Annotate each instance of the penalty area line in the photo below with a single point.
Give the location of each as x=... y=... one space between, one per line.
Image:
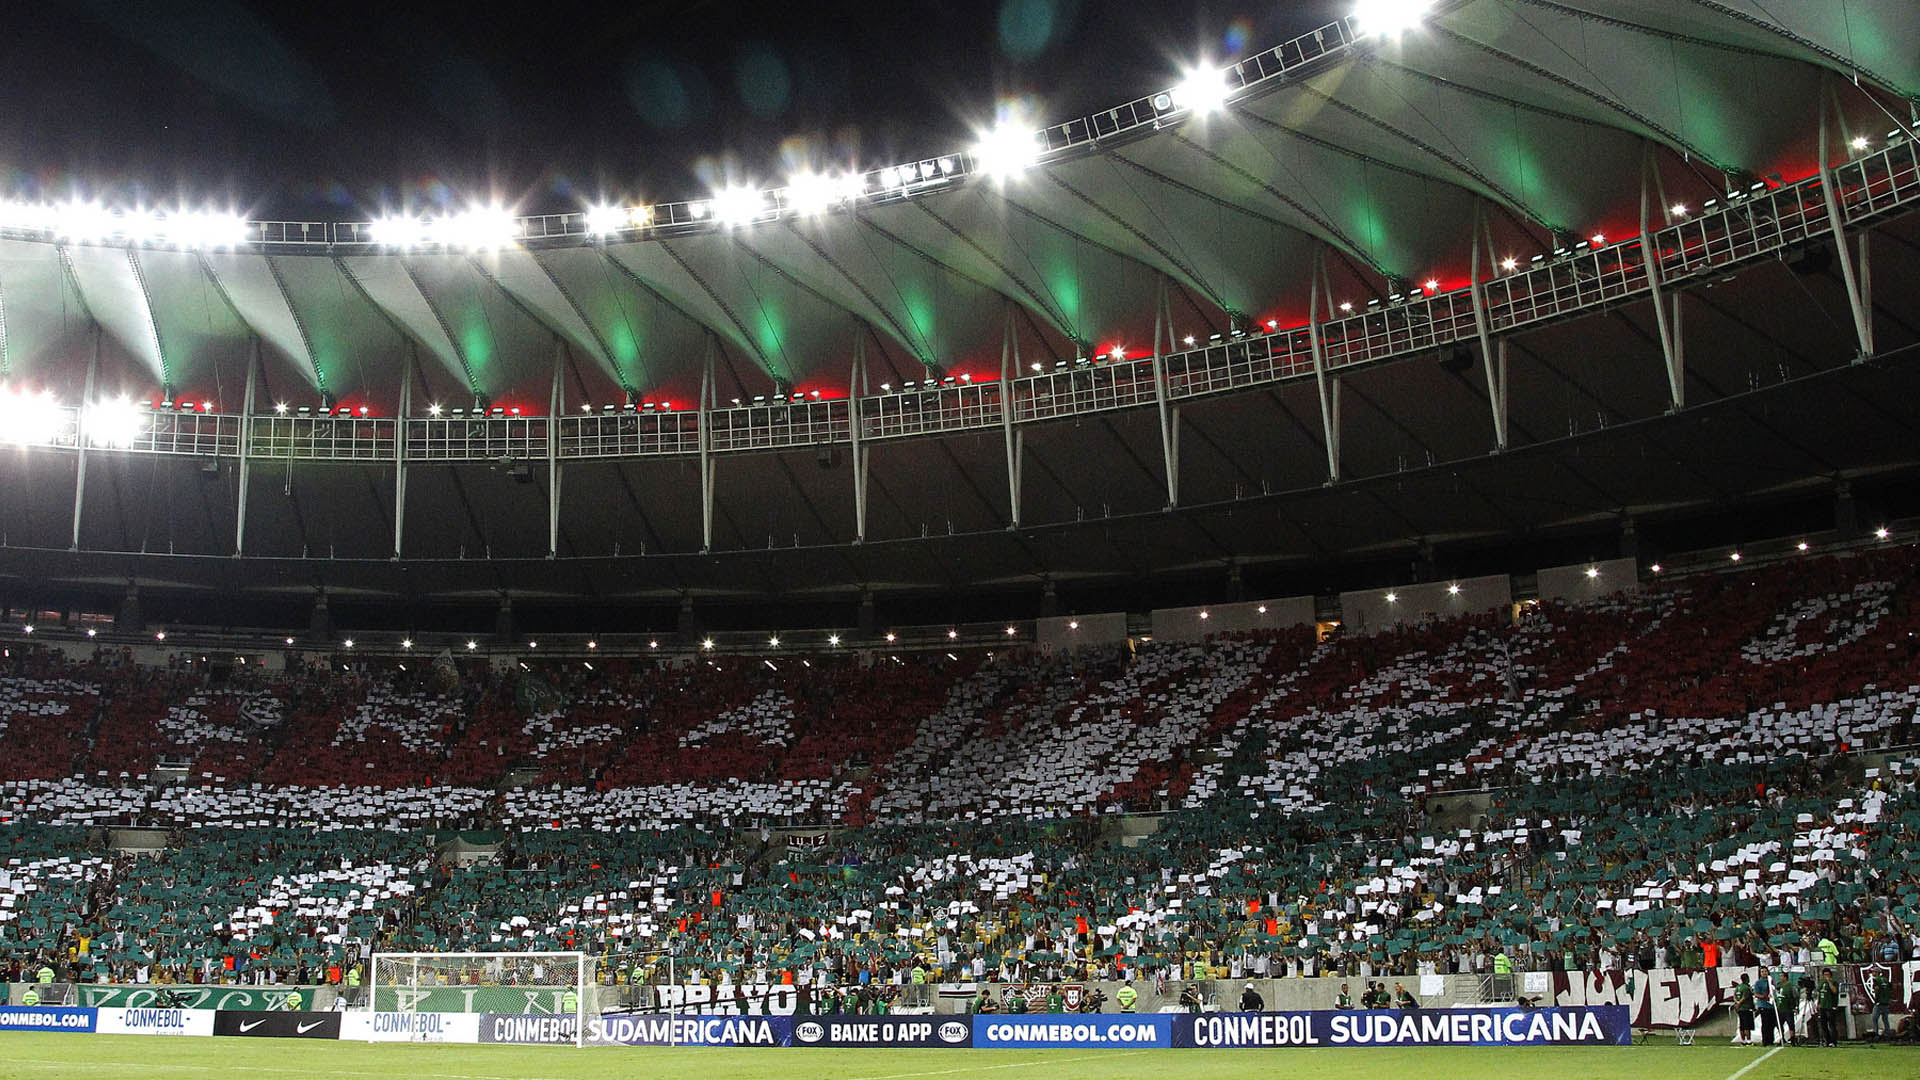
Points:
x=1007 y=1065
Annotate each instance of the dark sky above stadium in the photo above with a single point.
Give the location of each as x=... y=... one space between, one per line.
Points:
x=344 y=108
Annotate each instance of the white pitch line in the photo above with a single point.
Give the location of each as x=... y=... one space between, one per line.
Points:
x=1748 y=1067
x=1008 y=1065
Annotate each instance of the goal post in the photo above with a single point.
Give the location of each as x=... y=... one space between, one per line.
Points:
x=557 y=984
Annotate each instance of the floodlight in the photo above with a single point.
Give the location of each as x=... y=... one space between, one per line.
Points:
x=396 y=231
x=1433 y=285
x=1678 y=210
x=406 y=643
x=83 y=221
x=1735 y=556
x=1393 y=598
x=736 y=206
x=433 y=409
x=707 y=644
x=1509 y=264
x=1201 y=91
x=605 y=220
x=774 y=641
x=142 y=226
x=1859 y=142
x=1006 y=151
x=1390 y=18
x=1592 y=572
x=1598 y=239
x=814 y=193
x=479 y=228
x=348 y=643
x=1881 y=533
x=1346 y=305
x=833 y=639
x=1453 y=590
x=952 y=634
x=28 y=216
x=28 y=419
x=205 y=230
x=472 y=645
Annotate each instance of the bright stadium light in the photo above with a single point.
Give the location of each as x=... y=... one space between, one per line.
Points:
x=1678 y=209
x=202 y=230
x=1202 y=90
x=816 y=193
x=1006 y=151
x=605 y=220
x=32 y=217
x=1390 y=18
x=397 y=231
x=833 y=639
x=28 y=419
x=86 y=222
x=478 y=228
x=736 y=206
x=118 y=422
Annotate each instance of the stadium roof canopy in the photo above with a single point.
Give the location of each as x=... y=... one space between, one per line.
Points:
x=1416 y=241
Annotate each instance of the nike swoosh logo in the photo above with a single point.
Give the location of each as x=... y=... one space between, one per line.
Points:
x=302 y=1029
x=246 y=1027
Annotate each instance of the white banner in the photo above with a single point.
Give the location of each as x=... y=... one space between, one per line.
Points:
x=155 y=1022
x=435 y=1027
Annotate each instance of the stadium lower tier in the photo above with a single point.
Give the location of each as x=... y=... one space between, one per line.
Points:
x=1680 y=867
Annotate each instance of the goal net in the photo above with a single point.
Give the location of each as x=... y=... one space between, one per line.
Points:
x=551 y=984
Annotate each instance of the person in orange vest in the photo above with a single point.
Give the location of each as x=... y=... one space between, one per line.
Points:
x=1709 y=953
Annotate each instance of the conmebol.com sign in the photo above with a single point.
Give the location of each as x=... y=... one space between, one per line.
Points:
x=1153 y=1030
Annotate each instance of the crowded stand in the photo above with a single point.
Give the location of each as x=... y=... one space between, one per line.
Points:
x=1705 y=770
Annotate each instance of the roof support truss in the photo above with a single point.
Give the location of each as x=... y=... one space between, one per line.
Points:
x=1854 y=277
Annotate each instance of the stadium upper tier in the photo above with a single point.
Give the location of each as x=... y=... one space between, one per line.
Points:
x=1808 y=657
x=1201 y=277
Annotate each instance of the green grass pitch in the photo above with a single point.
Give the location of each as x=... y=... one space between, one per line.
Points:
x=34 y=1056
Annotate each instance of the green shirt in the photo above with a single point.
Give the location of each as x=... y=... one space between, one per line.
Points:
x=30 y=998
x=1056 y=1001
x=1501 y=964
x=1126 y=997
x=1829 y=996
x=294 y=1001
x=44 y=976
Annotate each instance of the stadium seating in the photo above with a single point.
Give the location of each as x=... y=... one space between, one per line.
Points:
x=1642 y=760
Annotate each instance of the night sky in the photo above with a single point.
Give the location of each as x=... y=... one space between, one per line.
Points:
x=342 y=110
